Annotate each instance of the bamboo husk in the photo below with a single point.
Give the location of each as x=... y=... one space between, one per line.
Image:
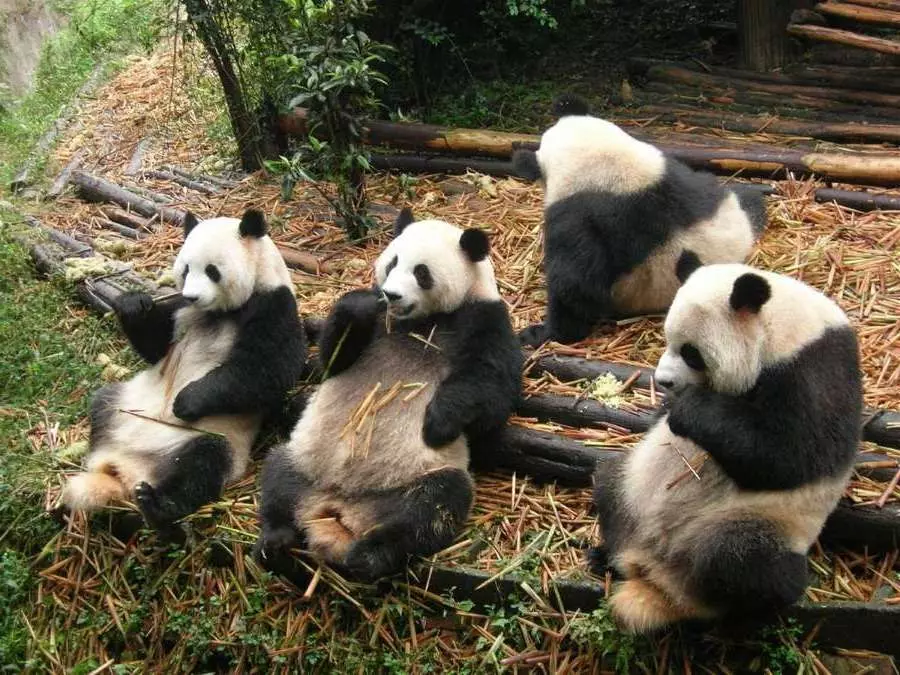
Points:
x=845 y=37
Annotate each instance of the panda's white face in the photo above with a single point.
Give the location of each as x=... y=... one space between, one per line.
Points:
x=709 y=341
x=582 y=153
x=427 y=269
x=218 y=268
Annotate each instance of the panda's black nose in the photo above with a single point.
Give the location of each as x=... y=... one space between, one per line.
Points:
x=393 y=297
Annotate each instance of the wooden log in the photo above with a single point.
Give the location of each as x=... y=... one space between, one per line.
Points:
x=303 y=260
x=127 y=218
x=62 y=179
x=124 y=230
x=202 y=177
x=845 y=37
x=448 y=165
x=859 y=200
x=878 y=426
x=585 y=413
x=874 y=15
x=883 y=4
x=95 y=189
x=545 y=456
x=868 y=168
x=675 y=73
x=762 y=101
x=851 y=625
x=194 y=185
x=827 y=131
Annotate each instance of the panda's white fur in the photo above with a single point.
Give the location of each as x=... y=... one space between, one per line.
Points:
x=135 y=431
x=622 y=222
x=361 y=492
x=786 y=363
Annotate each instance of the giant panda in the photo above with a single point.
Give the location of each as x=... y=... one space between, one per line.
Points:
x=765 y=404
x=222 y=359
x=418 y=371
x=623 y=223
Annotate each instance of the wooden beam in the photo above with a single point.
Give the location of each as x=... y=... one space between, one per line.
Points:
x=845 y=37
x=845 y=10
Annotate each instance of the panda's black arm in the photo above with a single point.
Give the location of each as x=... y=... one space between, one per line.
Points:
x=149 y=326
x=265 y=362
x=771 y=448
x=348 y=330
x=485 y=379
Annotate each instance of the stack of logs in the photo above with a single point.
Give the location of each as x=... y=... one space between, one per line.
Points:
x=883 y=14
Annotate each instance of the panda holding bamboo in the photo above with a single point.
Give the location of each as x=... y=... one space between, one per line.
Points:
x=222 y=359
x=420 y=372
x=766 y=398
x=624 y=224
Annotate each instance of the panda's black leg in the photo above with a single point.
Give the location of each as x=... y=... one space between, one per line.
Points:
x=744 y=569
x=283 y=488
x=563 y=324
x=419 y=519
x=103 y=409
x=609 y=511
x=189 y=478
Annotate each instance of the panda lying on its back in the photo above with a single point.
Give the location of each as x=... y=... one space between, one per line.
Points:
x=222 y=360
x=376 y=469
x=766 y=405
x=623 y=223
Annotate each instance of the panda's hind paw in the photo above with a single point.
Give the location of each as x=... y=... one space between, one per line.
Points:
x=371 y=559
x=155 y=509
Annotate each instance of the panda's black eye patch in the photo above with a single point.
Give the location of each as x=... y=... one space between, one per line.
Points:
x=423 y=276
x=692 y=357
x=391 y=265
x=213 y=273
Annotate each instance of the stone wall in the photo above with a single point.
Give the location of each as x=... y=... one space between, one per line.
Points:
x=25 y=26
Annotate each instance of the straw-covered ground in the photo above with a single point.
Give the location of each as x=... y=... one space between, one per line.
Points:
x=208 y=606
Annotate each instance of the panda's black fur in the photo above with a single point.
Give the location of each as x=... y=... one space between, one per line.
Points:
x=594 y=236
x=779 y=440
x=164 y=463
x=408 y=492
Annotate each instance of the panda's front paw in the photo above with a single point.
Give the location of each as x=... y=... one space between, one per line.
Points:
x=274 y=542
x=359 y=306
x=133 y=304
x=684 y=408
x=189 y=405
x=158 y=510
x=371 y=558
x=535 y=335
x=439 y=428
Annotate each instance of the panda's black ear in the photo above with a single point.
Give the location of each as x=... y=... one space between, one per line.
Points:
x=475 y=243
x=687 y=264
x=404 y=218
x=750 y=293
x=253 y=224
x=525 y=164
x=570 y=104
x=189 y=223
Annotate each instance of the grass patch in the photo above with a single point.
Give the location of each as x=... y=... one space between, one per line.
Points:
x=48 y=370
x=98 y=33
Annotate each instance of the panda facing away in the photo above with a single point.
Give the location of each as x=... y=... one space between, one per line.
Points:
x=623 y=223
x=765 y=404
x=222 y=359
x=418 y=371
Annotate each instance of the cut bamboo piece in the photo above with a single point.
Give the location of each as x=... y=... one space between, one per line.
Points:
x=845 y=37
x=875 y=15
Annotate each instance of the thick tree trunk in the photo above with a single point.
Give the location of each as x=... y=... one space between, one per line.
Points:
x=762 y=42
x=243 y=124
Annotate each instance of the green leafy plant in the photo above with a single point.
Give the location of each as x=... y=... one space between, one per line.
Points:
x=334 y=70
